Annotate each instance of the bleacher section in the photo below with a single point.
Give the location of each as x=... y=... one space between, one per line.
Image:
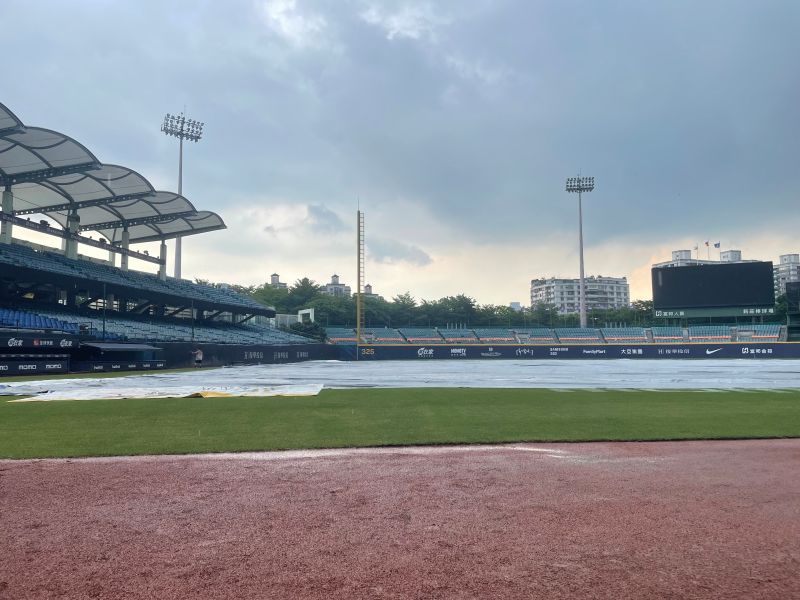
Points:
x=382 y=335
x=341 y=335
x=759 y=333
x=567 y=335
x=458 y=336
x=141 y=329
x=667 y=335
x=536 y=335
x=496 y=336
x=709 y=333
x=420 y=335
x=624 y=334
x=20 y=319
x=51 y=262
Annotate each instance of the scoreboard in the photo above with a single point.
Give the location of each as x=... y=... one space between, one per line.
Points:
x=730 y=289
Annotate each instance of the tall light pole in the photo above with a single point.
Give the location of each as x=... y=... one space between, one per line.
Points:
x=184 y=129
x=579 y=185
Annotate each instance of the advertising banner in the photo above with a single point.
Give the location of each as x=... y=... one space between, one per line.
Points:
x=571 y=351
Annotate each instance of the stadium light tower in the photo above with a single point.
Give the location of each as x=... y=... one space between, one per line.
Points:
x=184 y=129
x=579 y=185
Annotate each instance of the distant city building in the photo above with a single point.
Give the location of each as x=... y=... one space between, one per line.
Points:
x=275 y=281
x=683 y=258
x=786 y=271
x=564 y=294
x=334 y=288
x=515 y=306
x=730 y=256
x=369 y=294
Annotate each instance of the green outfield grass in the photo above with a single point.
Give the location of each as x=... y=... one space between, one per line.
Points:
x=381 y=417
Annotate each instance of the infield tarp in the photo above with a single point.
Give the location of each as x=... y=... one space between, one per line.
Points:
x=310 y=377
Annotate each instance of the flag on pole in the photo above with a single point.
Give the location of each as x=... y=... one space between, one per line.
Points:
x=695 y=247
x=706 y=243
x=716 y=245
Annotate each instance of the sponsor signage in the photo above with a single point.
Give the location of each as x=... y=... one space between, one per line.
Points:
x=33 y=341
x=109 y=366
x=33 y=367
x=576 y=351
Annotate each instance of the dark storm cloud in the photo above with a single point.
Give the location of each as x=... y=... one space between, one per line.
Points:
x=388 y=251
x=685 y=112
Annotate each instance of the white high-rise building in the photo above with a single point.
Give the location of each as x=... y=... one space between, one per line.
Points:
x=787 y=270
x=601 y=293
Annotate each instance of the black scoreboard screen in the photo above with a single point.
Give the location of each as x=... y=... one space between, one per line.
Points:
x=713 y=286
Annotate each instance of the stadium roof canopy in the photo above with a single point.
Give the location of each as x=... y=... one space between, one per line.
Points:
x=200 y=222
x=52 y=174
x=156 y=208
x=8 y=120
x=86 y=189
x=34 y=154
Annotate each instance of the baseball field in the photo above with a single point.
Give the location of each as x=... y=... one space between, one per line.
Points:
x=404 y=493
x=389 y=417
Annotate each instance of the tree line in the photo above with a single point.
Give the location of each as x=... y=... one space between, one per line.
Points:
x=404 y=310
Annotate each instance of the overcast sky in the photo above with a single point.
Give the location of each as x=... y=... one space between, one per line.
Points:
x=454 y=124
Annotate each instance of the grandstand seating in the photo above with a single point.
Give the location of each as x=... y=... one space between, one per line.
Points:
x=578 y=334
x=768 y=332
x=496 y=335
x=133 y=328
x=624 y=334
x=52 y=262
x=422 y=335
x=536 y=335
x=709 y=333
x=382 y=335
x=20 y=319
x=341 y=335
x=458 y=336
x=667 y=335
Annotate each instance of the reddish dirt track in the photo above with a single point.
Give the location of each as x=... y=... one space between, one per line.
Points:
x=636 y=520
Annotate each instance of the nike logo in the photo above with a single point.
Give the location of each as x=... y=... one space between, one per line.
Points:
x=712 y=351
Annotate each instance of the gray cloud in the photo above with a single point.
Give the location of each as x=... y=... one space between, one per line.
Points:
x=323 y=220
x=473 y=113
x=388 y=251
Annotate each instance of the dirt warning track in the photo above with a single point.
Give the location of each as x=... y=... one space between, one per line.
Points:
x=624 y=520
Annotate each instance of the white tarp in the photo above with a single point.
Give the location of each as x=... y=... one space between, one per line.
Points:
x=310 y=377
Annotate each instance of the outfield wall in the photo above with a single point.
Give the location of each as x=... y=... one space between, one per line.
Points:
x=570 y=351
x=179 y=354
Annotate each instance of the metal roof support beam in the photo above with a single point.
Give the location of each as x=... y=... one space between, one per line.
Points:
x=73 y=224
x=133 y=222
x=80 y=239
x=126 y=242
x=162 y=269
x=37 y=176
x=7 y=228
x=78 y=205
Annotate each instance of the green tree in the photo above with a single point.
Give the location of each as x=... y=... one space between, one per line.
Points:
x=333 y=310
x=302 y=292
x=402 y=310
x=268 y=295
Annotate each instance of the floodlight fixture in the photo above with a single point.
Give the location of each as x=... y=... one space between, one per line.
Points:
x=578 y=185
x=184 y=129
